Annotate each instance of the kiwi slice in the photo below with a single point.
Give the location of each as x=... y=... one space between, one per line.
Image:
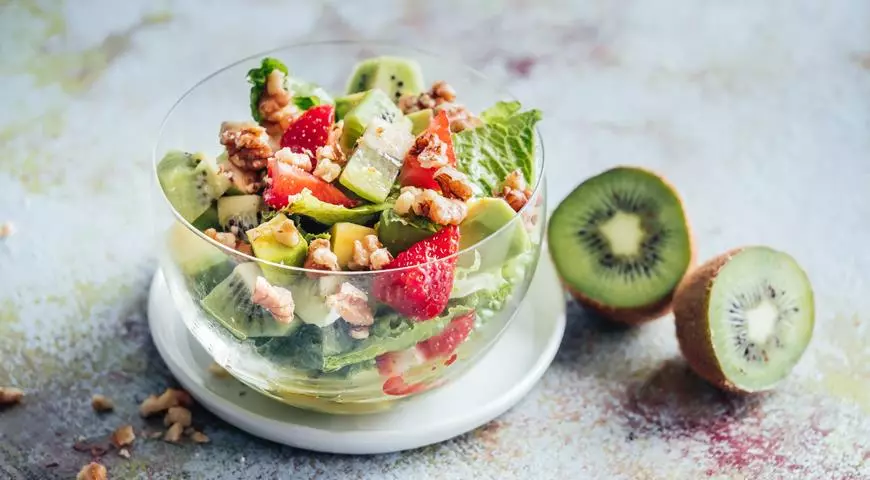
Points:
x=745 y=318
x=621 y=244
x=191 y=182
x=395 y=76
x=242 y=211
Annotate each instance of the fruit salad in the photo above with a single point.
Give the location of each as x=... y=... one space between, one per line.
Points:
x=342 y=228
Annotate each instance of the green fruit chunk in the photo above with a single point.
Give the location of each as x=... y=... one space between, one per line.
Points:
x=273 y=241
x=485 y=217
x=398 y=233
x=208 y=219
x=420 y=120
x=343 y=235
x=374 y=104
x=311 y=303
x=202 y=264
x=191 y=182
x=230 y=304
x=242 y=211
x=372 y=169
x=309 y=346
x=395 y=76
x=346 y=103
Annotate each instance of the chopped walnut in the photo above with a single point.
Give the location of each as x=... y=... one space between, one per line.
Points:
x=199 y=437
x=7 y=229
x=460 y=118
x=287 y=234
x=277 y=300
x=102 y=403
x=320 y=256
x=299 y=160
x=430 y=151
x=123 y=436
x=170 y=398
x=173 y=435
x=124 y=453
x=440 y=92
x=225 y=238
x=10 y=395
x=179 y=415
x=332 y=150
x=276 y=107
x=352 y=304
x=93 y=471
x=247 y=145
x=326 y=169
x=515 y=191
x=369 y=253
x=454 y=184
x=218 y=371
x=429 y=203
x=247 y=181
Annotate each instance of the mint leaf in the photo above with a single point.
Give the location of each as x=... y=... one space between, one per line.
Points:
x=257 y=78
x=500 y=111
x=327 y=213
x=487 y=154
x=304 y=103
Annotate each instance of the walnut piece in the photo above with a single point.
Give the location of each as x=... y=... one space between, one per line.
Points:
x=332 y=150
x=440 y=92
x=173 y=435
x=454 y=184
x=276 y=107
x=199 y=437
x=123 y=436
x=277 y=300
x=179 y=415
x=7 y=229
x=93 y=471
x=430 y=151
x=170 y=398
x=327 y=170
x=10 y=395
x=248 y=181
x=515 y=191
x=229 y=239
x=369 y=254
x=429 y=203
x=101 y=403
x=247 y=145
x=320 y=256
x=460 y=118
x=287 y=234
x=352 y=304
x=299 y=160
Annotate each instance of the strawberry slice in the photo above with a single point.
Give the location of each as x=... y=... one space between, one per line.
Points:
x=412 y=173
x=310 y=131
x=421 y=293
x=449 y=339
x=286 y=180
x=397 y=386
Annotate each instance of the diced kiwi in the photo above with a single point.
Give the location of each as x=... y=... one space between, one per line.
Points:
x=374 y=104
x=346 y=103
x=485 y=217
x=621 y=244
x=420 y=120
x=191 y=182
x=745 y=318
x=342 y=237
x=241 y=211
x=395 y=76
x=202 y=264
x=398 y=233
x=311 y=303
x=208 y=219
x=372 y=169
x=230 y=304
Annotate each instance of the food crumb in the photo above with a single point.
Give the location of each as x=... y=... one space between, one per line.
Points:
x=199 y=437
x=92 y=471
x=218 y=371
x=173 y=435
x=170 y=398
x=177 y=416
x=124 y=453
x=101 y=403
x=7 y=229
x=123 y=436
x=10 y=395
x=157 y=434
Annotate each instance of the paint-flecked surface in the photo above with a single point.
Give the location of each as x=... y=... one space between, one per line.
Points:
x=756 y=111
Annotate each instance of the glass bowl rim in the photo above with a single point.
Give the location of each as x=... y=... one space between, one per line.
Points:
x=539 y=155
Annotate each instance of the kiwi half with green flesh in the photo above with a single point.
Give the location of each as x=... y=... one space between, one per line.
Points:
x=621 y=244
x=241 y=211
x=744 y=318
x=395 y=76
x=191 y=182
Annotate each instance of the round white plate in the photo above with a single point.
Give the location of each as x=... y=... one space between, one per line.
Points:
x=496 y=383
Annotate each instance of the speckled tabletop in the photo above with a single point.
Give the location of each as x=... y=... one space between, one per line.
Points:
x=757 y=111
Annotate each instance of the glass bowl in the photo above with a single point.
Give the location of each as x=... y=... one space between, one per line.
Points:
x=325 y=369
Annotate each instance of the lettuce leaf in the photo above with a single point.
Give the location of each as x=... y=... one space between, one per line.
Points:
x=500 y=112
x=304 y=103
x=487 y=154
x=307 y=94
x=257 y=78
x=327 y=213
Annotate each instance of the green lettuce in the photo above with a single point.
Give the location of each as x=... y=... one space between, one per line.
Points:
x=307 y=94
x=487 y=154
x=257 y=78
x=306 y=204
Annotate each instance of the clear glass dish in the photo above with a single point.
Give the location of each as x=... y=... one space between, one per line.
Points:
x=193 y=264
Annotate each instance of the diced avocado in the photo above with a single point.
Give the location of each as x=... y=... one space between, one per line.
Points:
x=372 y=169
x=420 y=120
x=343 y=235
x=395 y=76
x=485 y=217
x=398 y=233
x=374 y=104
x=311 y=303
x=346 y=103
x=242 y=211
x=202 y=264
x=190 y=182
x=270 y=242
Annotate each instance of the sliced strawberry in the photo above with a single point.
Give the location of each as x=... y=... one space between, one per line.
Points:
x=310 y=131
x=412 y=173
x=421 y=293
x=396 y=363
x=449 y=339
x=397 y=386
x=286 y=180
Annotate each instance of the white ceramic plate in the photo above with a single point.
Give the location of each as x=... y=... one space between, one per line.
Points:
x=496 y=383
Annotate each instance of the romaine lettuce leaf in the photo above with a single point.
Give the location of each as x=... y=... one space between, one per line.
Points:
x=487 y=154
x=500 y=112
x=306 y=204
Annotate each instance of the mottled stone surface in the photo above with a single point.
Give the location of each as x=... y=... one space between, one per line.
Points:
x=757 y=111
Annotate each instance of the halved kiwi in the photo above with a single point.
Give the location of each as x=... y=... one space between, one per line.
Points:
x=621 y=244
x=745 y=318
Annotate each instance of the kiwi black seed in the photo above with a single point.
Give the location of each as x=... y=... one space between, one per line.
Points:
x=621 y=244
x=745 y=318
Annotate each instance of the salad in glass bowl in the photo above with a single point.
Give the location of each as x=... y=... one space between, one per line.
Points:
x=341 y=248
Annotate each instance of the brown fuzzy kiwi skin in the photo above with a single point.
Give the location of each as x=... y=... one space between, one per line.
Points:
x=691 y=304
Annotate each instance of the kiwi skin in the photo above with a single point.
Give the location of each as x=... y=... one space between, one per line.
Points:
x=691 y=304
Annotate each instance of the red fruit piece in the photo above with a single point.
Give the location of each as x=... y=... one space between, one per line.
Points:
x=397 y=386
x=288 y=180
x=421 y=293
x=412 y=173
x=449 y=339
x=310 y=131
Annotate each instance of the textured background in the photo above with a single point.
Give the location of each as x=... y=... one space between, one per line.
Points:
x=757 y=111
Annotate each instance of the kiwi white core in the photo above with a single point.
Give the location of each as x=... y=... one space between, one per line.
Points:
x=761 y=322
x=624 y=233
